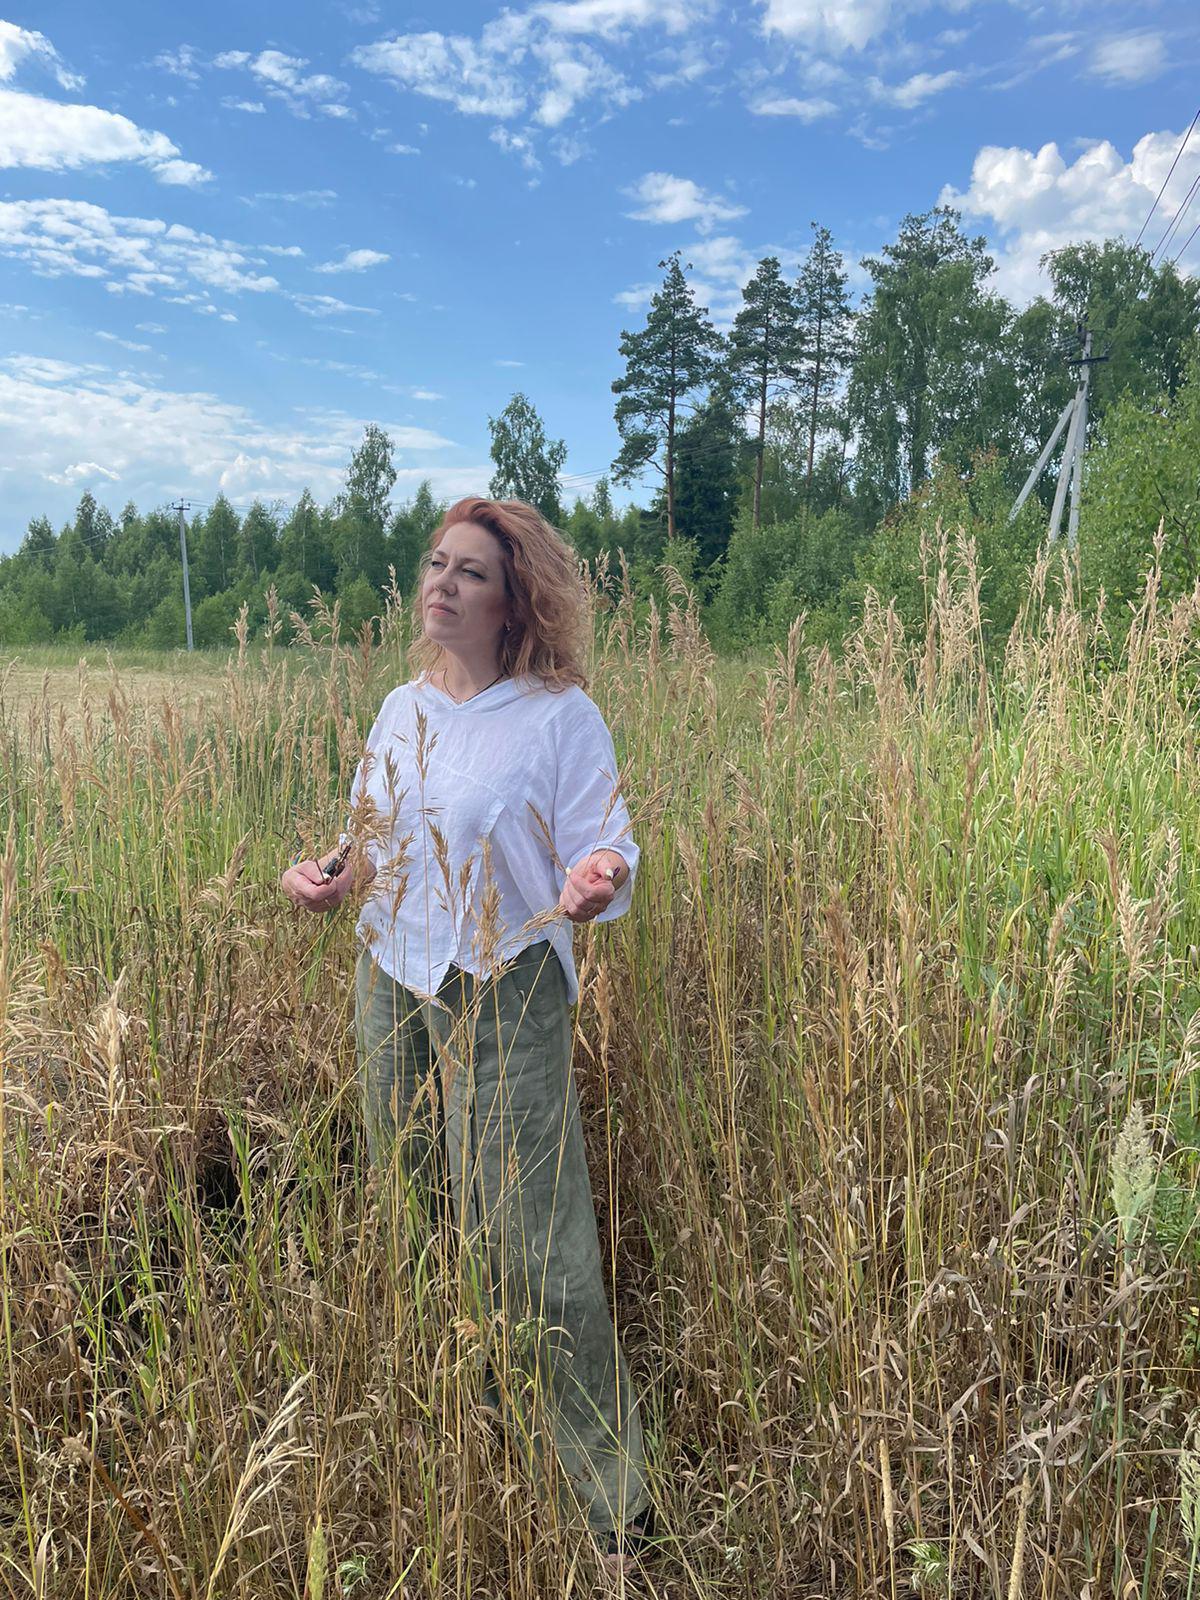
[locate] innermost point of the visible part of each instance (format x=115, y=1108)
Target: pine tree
x=825, y=319
x=672, y=357
x=528, y=464
x=709, y=454
x=764, y=351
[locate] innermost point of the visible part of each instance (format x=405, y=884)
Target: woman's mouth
x=436, y=605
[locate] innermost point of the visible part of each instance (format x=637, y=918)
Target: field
x=889, y=1082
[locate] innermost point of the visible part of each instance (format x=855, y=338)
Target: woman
x=489, y=823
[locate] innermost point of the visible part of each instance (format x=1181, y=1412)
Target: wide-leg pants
x=477, y=1103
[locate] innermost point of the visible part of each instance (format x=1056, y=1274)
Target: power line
x=1186, y=242
x=1166, y=180
x=1183, y=206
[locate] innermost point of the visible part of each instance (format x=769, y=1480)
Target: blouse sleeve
x=589, y=814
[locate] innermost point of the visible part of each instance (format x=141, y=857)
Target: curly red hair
x=551, y=610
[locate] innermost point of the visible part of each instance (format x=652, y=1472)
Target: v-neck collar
x=492, y=692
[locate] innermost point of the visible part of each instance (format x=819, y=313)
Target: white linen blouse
x=489, y=763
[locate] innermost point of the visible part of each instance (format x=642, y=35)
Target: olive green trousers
x=475, y=1102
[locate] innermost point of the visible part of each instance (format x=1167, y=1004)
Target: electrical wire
x=1187, y=241
x=1183, y=206
x=1166, y=180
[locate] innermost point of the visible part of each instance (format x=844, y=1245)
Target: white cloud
x=301, y=197
x=724, y=258
x=138, y=255
x=21, y=44
x=783, y=106
x=718, y=277
x=665, y=198
x=344, y=369
x=834, y=25
x=516, y=144
x=355, y=261
x=502, y=363
x=187, y=173
x=283, y=77
x=913, y=91
x=200, y=304
x=286, y=72
x=530, y=62
x=70, y=422
x=615, y=17
x=569, y=148
x=403, y=150
x=126, y=344
x=35, y=132
x=1127, y=58
x=280, y=249
x=720, y=267
x=447, y=67
x=149, y=327
x=1038, y=201
x=252, y=107
x=327, y=305
x=180, y=63
x=81, y=472
x=1038, y=53
x=686, y=63
x=575, y=74
x=426, y=394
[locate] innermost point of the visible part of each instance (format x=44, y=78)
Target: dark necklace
x=463, y=701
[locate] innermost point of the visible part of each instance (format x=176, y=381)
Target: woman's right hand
x=306, y=888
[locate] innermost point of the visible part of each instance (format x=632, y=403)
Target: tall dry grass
x=890, y=1094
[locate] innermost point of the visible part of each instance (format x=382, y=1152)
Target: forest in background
x=809, y=454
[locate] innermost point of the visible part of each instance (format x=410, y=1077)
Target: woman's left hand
x=588, y=890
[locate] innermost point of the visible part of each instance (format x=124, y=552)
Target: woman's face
x=466, y=574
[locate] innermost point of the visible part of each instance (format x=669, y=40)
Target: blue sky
x=230, y=237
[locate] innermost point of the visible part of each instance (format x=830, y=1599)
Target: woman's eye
x=437, y=565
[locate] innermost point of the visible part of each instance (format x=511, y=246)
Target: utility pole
x=1074, y=419
x=1081, y=406
x=181, y=506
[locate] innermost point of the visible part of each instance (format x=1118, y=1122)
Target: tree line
x=795, y=459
